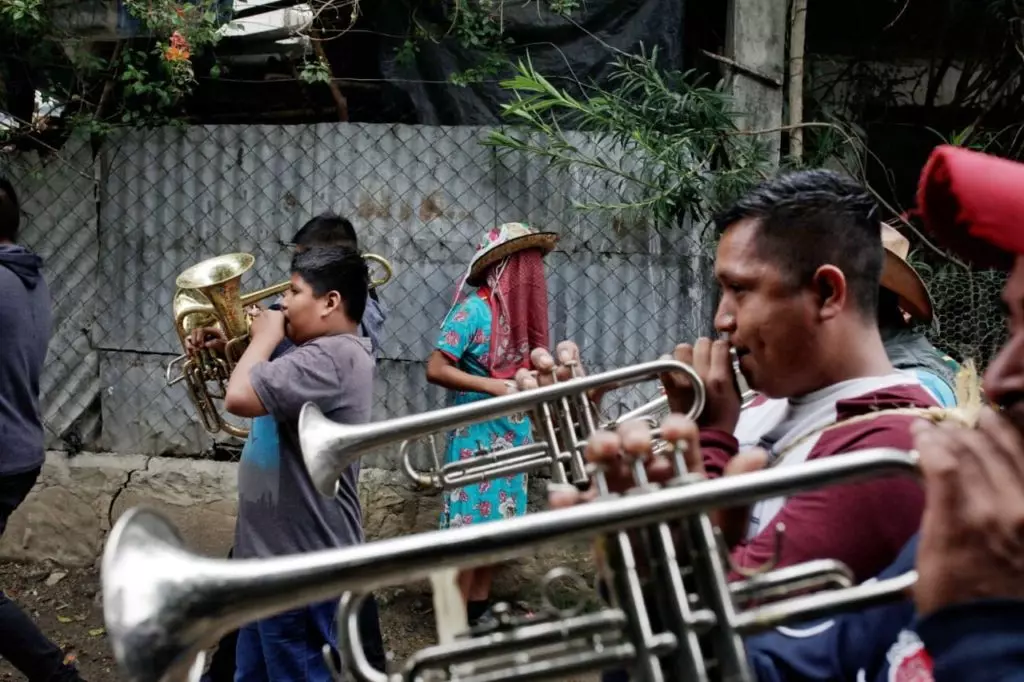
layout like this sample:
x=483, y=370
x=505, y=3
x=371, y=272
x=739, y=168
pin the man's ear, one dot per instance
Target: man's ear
x=831, y=291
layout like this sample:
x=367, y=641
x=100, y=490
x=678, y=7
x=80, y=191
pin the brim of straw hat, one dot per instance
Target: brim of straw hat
x=899, y=277
x=545, y=241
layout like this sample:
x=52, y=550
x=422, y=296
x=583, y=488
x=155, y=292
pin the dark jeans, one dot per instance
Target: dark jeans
x=222, y=665
x=21, y=641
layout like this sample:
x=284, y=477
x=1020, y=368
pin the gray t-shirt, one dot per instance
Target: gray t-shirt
x=279, y=511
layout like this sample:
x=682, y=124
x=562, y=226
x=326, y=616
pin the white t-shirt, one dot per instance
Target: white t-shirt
x=776, y=424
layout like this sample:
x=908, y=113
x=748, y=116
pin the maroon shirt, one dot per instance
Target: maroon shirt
x=864, y=524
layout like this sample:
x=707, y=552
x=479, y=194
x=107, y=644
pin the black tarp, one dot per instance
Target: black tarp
x=564, y=51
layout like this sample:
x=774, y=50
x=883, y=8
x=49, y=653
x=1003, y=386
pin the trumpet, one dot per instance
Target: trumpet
x=490, y=463
x=329, y=447
x=209, y=295
x=547, y=452
x=163, y=606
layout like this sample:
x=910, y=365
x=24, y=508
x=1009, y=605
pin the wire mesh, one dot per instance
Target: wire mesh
x=117, y=223
x=969, y=311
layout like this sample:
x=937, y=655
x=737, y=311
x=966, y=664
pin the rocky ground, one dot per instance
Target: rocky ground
x=65, y=604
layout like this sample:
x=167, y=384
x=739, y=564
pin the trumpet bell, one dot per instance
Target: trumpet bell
x=145, y=584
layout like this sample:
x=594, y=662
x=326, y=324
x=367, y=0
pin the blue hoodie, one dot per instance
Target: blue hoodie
x=26, y=323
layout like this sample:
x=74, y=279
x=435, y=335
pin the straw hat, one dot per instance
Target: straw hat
x=900, y=277
x=503, y=241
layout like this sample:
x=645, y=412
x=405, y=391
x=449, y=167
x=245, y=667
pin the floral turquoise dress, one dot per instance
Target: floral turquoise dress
x=465, y=338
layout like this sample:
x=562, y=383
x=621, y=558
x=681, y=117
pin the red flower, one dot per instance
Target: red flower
x=178, y=50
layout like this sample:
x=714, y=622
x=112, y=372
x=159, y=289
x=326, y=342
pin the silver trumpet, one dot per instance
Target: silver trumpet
x=671, y=613
x=329, y=447
x=548, y=451
x=490, y=463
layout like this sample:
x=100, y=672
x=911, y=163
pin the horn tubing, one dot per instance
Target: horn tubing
x=239, y=591
x=328, y=447
x=252, y=297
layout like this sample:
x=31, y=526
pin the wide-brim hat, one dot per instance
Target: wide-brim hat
x=974, y=205
x=900, y=277
x=503, y=241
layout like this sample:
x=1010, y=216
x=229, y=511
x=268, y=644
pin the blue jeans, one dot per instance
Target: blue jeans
x=288, y=647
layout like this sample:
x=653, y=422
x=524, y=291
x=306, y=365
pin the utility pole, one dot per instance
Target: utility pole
x=756, y=46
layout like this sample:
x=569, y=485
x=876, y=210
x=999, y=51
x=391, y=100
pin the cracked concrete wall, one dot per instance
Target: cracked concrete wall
x=76, y=500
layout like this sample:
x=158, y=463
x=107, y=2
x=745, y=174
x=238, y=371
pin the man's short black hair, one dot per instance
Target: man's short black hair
x=327, y=229
x=10, y=211
x=812, y=218
x=336, y=268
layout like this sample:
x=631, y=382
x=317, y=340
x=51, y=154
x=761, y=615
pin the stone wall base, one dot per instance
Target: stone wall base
x=76, y=500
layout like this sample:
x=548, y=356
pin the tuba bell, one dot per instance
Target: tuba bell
x=209, y=295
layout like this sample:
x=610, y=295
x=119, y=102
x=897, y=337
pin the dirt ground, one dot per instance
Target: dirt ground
x=65, y=603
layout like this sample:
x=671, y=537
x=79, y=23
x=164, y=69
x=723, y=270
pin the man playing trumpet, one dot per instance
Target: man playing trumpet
x=799, y=263
x=970, y=550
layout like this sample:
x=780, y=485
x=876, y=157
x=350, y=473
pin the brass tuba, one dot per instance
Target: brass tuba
x=209, y=295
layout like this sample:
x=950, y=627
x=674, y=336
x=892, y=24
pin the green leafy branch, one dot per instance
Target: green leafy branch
x=667, y=141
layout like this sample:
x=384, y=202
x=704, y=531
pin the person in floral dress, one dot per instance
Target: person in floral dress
x=487, y=336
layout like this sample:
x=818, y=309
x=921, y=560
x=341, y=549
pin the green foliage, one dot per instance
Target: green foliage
x=141, y=82
x=667, y=141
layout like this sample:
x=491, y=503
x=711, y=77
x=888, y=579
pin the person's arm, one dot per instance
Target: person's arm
x=441, y=370
x=934, y=384
x=266, y=332
x=454, y=339
x=969, y=591
x=717, y=448
x=861, y=524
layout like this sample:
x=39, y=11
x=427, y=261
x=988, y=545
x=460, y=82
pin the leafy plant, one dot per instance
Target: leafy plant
x=140, y=81
x=667, y=141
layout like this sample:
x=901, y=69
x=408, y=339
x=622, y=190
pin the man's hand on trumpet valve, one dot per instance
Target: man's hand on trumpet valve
x=615, y=453
x=712, y=363
x=972, y=530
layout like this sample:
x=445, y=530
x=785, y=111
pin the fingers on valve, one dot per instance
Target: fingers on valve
x=603, y=447
x=542, y=360
x=568, y=352
x=526, y=380
x=635, y=436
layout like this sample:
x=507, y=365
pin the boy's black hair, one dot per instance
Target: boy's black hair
x=10, y=211
x=336, y=268
x=327, y=229
x=812, y=218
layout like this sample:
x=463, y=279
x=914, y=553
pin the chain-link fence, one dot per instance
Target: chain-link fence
x=116, y=227
x=970, y=322
x=118, y=223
